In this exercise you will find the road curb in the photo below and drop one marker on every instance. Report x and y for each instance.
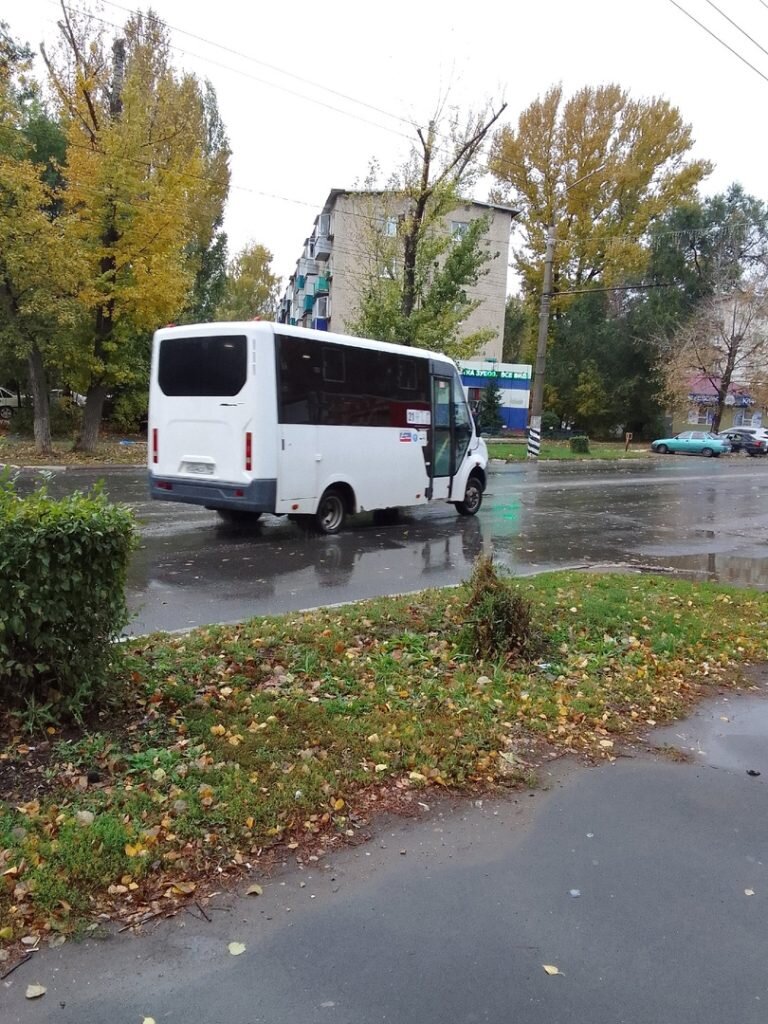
(101, 467)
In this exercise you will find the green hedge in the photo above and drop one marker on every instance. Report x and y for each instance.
(580, 445)
(63, 565)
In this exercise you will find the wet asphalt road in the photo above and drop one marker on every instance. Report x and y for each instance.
(705, 517)
(456, 929)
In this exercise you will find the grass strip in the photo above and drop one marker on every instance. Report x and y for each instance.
(230, 741)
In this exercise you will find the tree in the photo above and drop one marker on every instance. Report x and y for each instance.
(138, 194)
(489, 410)
(600, 375)
(414, 273)
(725, 342)
(208, 252)
(602, 168)
(38, 275)
(518, 335)
(250, 288)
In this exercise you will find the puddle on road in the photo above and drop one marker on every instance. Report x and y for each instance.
(729, 732)
(719, 567)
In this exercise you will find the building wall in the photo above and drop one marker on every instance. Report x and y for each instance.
(514, 380)
(358, 222)
(699, 416)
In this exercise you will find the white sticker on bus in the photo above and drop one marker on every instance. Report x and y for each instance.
(418, 417)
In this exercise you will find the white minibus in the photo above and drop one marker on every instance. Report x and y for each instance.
(255, 417)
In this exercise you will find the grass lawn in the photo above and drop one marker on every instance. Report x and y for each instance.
(553, 451)
(22, 452)
(231, 742)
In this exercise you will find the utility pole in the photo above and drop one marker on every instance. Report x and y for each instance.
(537, 399)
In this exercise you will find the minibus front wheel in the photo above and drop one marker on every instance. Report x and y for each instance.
(473, 498)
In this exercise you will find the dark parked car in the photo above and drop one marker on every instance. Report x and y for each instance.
(745, 441)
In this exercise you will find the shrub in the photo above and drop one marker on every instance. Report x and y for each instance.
(66, 418)
(550, 422)
(580, 445)
(498, 618)
(63, 565)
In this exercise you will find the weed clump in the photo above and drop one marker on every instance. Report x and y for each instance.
(499, 621)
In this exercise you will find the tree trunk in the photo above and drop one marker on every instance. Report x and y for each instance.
(41, 405)
(94, 407)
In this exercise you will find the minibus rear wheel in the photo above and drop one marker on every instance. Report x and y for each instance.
(331, 511)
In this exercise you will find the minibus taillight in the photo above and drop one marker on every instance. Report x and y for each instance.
(155, 448)
(249, 450)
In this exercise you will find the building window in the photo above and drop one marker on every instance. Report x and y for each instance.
(389, 227)
(459, 228)
(745, 418)
(702, 414)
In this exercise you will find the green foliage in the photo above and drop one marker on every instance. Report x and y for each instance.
(66, 418)
(250, 288)
(550, 421)
(499, 622)
(445, 268)
(580, 445)
(601, 372)
(517, 330)
(63, 565)
(489, 411)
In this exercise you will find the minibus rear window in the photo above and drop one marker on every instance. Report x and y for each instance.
(214, 365)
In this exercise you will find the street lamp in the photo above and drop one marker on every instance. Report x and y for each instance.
(537, 398)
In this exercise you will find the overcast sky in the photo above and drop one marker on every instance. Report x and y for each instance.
(315, 89)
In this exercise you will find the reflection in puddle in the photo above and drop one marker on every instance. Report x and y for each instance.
(722, 568)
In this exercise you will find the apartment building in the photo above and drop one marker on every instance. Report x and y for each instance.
(325, 289)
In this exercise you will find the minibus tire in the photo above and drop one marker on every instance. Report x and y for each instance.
(237, 516)
(331, 512)
(473, 498)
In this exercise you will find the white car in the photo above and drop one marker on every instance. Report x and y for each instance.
(759, 433)
(8, 402)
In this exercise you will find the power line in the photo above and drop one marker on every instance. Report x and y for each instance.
(247, 74)
(718, 39)
(737, 27)
(265, 64)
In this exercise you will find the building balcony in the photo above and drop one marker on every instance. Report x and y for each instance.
(322, 285)
(309, 301)
(323, 247)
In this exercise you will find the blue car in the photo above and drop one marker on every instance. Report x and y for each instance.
(693, 442)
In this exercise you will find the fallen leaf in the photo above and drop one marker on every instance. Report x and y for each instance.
(184, 888)
(236, 948)
(550, 969)
(35, 991)
(749, 892)
(148, 1020)
(84, 817)
(338, 805)
(254, 890)
(218, 730)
